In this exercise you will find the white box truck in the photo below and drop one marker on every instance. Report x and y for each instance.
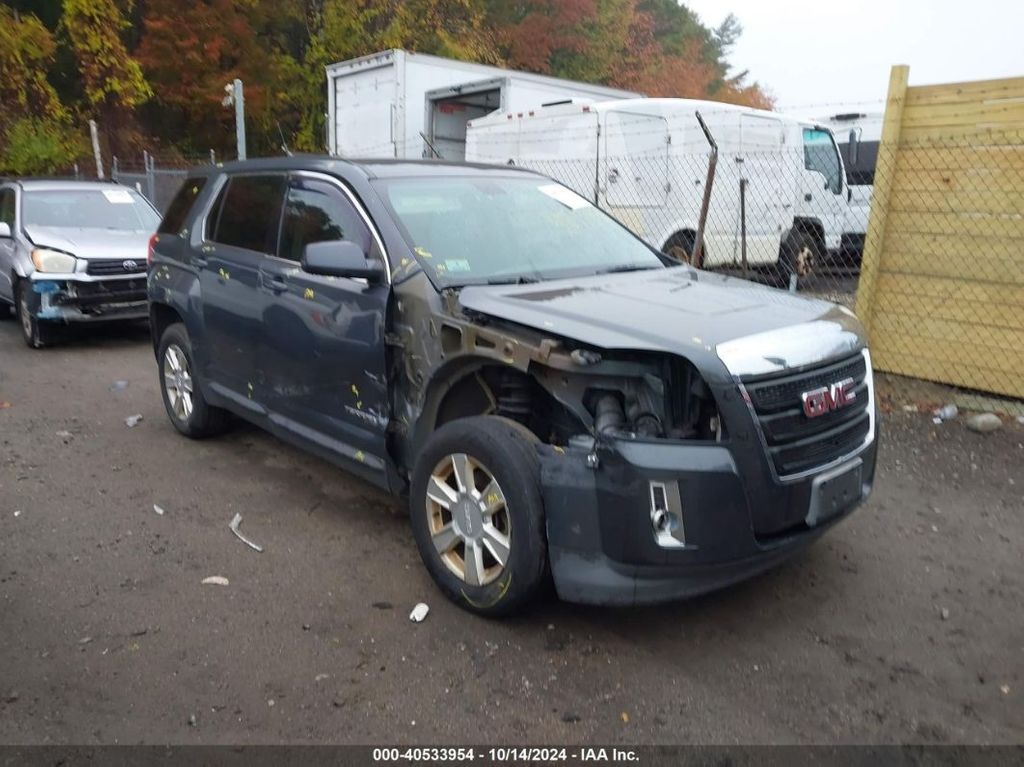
(645, 160)
(384, 104)
(858, 135)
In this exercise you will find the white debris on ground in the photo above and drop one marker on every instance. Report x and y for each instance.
(419, 612)
(983, 423)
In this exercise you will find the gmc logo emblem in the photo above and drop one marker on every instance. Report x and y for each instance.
(827, 398)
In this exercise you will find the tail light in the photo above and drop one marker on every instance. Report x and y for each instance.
(149, 252)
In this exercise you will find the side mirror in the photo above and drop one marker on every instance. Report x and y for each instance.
(5, 230)
(340, 258)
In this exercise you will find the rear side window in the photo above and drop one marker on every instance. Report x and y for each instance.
(317, 211)
(250, 213)
(177, 212)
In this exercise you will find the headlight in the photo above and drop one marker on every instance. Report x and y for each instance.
(53, 261)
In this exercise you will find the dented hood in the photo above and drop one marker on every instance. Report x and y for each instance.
(91, 243)
(750, 328)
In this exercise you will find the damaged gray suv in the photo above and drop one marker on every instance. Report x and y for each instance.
(555, 399)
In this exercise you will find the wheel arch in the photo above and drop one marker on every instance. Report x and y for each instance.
(161, 317)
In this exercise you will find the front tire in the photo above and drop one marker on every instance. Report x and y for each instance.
(680, 247)
(36, 333)
(182, 395)
(478, 516)
(801, 255)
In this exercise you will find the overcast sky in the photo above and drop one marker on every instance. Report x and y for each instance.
(840, 51)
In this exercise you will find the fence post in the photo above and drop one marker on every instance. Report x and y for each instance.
(884, 171)
(213, 157)
(115, 167)
(94, 134)
(150, 164)
(743, 224)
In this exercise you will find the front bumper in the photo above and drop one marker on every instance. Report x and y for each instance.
(602, 545)
(88, 299)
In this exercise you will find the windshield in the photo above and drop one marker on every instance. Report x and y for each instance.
(820, 154)
(473, 230)
(89, 209)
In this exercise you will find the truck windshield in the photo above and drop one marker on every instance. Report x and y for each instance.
(820, 154)
(89, 209)
(477, 230)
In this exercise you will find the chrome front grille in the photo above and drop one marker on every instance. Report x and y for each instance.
(797, 443)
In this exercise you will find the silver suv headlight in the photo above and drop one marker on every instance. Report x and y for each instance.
(46, 260)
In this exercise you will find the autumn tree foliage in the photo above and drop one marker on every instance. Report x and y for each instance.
(111, 79)
(153, 71)
(35, 133)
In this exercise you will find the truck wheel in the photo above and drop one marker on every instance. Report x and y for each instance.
(36, 332)
(800, 256)
(477, 514)
(182, 395)
(680, 247)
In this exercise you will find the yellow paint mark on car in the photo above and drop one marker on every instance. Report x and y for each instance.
(308, 294)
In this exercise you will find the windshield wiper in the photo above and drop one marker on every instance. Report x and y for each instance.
(626, 268)
(521, 279)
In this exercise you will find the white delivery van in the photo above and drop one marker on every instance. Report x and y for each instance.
(386, 104)
(645, 162)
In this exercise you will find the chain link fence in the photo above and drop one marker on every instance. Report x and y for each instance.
(155, 177)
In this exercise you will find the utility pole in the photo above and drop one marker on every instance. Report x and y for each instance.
(94, 133)
(236, 95)
(240, 118)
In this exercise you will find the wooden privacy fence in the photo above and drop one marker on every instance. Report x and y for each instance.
(942, 282)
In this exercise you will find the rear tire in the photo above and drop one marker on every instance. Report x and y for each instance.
(182, 395)
(478, 516)
(680, 247)
(36, 333)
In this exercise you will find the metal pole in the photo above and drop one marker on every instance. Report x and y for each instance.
(698, 245)
(96, 148)
(213, 157)
(743, 224)
(150, 164)
(239, 98)
(115, 168)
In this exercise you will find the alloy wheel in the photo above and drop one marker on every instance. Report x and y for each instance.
(468, 519)
(178, 382)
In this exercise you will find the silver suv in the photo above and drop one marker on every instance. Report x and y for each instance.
(72, 251)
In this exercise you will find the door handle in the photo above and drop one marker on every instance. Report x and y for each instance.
(199, 262)
(273, 283)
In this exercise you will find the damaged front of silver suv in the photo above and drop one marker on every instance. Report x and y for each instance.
(565, 400)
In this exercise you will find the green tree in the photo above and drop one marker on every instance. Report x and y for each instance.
(36, 145)
(36, 135)
(27, 51)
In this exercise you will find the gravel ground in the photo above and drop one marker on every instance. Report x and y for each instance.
(904, 624)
